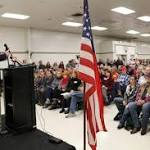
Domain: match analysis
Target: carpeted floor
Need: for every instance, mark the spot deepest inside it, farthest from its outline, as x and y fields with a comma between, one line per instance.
x=34, y=140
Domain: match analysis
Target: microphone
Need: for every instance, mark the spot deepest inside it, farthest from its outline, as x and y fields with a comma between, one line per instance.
x=6, y=47
x=13, y=59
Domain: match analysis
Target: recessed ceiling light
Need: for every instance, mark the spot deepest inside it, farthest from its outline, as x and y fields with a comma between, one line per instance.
x=123, y=10
x=132, y=32
x=15, y=16
x=145, y=34
x=99, y=28
x=144, y=18
x=72, y=24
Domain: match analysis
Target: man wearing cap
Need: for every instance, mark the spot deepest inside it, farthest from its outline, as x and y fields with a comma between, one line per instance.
x=121, y=83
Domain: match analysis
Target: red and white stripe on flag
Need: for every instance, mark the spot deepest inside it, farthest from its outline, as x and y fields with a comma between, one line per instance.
x=88, y=72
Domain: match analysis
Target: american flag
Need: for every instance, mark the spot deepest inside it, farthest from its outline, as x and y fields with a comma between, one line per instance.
x=88, y=72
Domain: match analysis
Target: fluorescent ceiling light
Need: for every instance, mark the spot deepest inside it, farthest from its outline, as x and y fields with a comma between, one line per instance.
x=145, y=34
x=132, y=32
x=72, y=24
x=99, y=28
x=144, y=18
x=15, y=16
x=123, y=10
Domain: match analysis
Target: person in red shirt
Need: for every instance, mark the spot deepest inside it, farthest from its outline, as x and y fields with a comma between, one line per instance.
x=114, y=73
x=64, y=81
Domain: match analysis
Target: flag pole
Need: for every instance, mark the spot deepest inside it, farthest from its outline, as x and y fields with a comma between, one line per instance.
x=84, y=121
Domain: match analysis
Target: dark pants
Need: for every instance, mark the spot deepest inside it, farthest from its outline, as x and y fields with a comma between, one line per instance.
x=107, y=95
x=115, y=88
x=130, y=115
x=126, y=117
x=146, y=114
x=48, y=93
x=65, y=103
x=119, y=104
x=134, y=112
x=41, y=95
x=56, y=93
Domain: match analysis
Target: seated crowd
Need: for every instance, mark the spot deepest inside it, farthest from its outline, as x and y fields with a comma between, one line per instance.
x=59, y=87
x=127, y=86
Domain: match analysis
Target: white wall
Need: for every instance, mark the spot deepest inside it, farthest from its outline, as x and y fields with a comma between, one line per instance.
x=16, y=39
x=105, y=49
x=143, y=50
x=104, y=56
x=128, y=49
x=56, y=46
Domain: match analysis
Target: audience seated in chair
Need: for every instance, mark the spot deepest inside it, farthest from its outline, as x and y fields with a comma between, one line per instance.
x=54, y=88
x=107, y=83
x=76, y=96
x=129, y=96
x=73, y=85
x=62, y=86
x=134, y=108
x=121, y=83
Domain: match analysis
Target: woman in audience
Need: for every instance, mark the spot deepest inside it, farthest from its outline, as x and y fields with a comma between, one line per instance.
x=61, y=65
x=114, y=73
x=36, y=82
x=145, y=106
x=41, y=65
x=41, y=86
x=107, y=83
x=48, y=89
x=51, y=83
x=72, y=87
x=55, y=66
x=55, y=90
x=134, y=108
x=71, y=64
x=65, y=80
x=48, y=65
x=129, y=96
x=56, y=97
x=139, y=71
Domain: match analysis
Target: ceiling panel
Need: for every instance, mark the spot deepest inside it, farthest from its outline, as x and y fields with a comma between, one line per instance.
x=49, y=14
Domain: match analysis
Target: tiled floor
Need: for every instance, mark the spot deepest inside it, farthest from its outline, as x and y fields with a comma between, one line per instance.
x=71, y=131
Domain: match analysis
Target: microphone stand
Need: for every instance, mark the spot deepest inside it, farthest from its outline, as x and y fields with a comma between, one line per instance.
x=7, y=50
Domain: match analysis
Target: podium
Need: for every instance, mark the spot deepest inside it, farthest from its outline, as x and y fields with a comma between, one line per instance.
x=19, y=98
